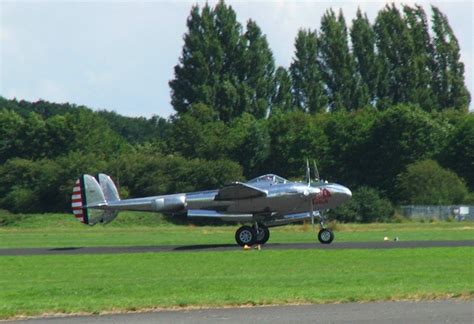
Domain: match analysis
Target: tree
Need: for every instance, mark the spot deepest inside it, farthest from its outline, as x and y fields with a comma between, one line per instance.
x=308, y=89
x=449, y=80
x=402, y=135
x=221, y=67
x=348, y=135
x=11, y=143
x=426, y=183
x=337, y=64
x=395, y=50
x=259, y=69
x=201, y=62
x=281, y=100
x=422, y=58
x=365, y=206
x=458, y=154
x=295, y=136
x=363, y=49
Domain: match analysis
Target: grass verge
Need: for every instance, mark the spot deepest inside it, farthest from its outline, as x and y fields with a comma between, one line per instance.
x=93, y=283
x=62, y=230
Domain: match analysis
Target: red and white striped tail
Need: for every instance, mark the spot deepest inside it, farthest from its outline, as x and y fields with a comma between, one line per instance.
x=77, y=202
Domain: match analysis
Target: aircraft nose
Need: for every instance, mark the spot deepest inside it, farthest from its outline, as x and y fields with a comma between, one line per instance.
x=347, y=192
x=343, y=193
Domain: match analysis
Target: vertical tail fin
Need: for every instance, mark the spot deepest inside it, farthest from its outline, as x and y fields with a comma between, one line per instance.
x=87, y=196
x=110, y=193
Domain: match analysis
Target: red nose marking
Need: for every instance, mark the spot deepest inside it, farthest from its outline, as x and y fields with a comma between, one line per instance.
x=322, y=197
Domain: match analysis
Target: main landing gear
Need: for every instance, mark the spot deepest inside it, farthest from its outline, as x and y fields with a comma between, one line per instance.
x=250, y=235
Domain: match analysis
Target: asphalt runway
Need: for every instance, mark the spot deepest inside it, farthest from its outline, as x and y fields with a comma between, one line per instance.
x=232, y=247
x=444, y=311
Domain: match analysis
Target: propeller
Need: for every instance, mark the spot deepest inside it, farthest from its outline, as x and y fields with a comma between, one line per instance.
x=308, y=179
x=316, y=172
x=308, y=173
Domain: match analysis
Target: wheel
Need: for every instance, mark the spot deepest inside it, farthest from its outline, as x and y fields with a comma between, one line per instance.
x=325, y=236
x=246, y=235
x=263, y=234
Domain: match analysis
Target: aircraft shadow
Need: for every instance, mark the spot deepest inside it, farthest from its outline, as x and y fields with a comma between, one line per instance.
x=65, y=249
x=204, y=246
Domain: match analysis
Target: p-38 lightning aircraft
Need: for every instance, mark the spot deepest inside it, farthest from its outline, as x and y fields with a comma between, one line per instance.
x=263, y=202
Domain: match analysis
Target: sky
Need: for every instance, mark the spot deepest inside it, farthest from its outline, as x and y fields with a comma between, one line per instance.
x=120, y=55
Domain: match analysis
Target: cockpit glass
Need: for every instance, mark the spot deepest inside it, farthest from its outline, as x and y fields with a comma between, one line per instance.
x=269, y=178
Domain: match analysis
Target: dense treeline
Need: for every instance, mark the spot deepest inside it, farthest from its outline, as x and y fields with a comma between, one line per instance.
x=382, y=108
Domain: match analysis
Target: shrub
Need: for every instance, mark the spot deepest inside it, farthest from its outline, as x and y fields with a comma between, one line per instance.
x=366, y=206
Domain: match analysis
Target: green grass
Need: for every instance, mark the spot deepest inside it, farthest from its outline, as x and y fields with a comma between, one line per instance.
x=34, y=285
x=93, y=283
x=62, y=230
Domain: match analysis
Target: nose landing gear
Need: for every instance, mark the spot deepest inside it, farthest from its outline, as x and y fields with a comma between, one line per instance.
x=325, y=235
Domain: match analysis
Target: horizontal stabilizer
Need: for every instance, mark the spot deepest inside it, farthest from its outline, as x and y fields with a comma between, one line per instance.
x=239, y=190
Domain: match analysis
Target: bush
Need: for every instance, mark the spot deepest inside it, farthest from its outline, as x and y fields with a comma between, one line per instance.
x=427, y=183
x=366, y=206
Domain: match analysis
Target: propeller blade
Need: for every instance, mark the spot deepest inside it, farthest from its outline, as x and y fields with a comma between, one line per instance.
x=312, y=214
x=316, y=172
x=308, y=173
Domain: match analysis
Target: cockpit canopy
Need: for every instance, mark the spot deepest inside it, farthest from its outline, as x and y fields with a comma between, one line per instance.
x=272, y=178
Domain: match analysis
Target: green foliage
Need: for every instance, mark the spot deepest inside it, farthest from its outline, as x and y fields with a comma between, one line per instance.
x=220, y=66
x=365, y=206
x=308, y=89
x=449, y=74
x=426, y=183
x=337, y=64
x=294, y=136
x=145, y=174
x=363, y=50
x=458, y=154
x=402, y=135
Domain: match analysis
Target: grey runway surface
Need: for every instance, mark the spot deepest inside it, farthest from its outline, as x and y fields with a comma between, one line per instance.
x=445, y=311
x=232, y=247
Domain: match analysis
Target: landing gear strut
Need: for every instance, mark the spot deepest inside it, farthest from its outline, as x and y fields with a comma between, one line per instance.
x=263, y=233
x=325, y=235
x=250, y=235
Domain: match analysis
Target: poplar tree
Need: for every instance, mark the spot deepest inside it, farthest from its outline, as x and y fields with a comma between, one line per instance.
x=395, y=51
x=308, y=89
x=449, y=79
x=223, y=68
x=201, y=58
x=422, y=58
x=363, y=49
x=259, y=69
x=281, y=100
x=337, y=64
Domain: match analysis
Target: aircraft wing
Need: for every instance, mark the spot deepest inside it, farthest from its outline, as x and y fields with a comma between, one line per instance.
x=239, y=190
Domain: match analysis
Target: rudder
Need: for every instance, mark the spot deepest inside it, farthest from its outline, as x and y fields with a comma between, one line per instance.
x=110, y=193
x=87, y=197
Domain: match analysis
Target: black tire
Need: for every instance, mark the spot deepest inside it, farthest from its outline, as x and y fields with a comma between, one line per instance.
x=246, y=235
x=263, y=234
x=325, y=236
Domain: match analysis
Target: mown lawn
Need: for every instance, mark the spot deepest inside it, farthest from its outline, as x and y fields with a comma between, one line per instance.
x=93, y=283
x=61, y=230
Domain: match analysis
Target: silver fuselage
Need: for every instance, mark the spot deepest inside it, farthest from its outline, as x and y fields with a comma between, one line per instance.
x=283, y=203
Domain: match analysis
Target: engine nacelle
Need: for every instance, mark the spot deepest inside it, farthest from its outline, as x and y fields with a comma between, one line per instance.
x=170, y=204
